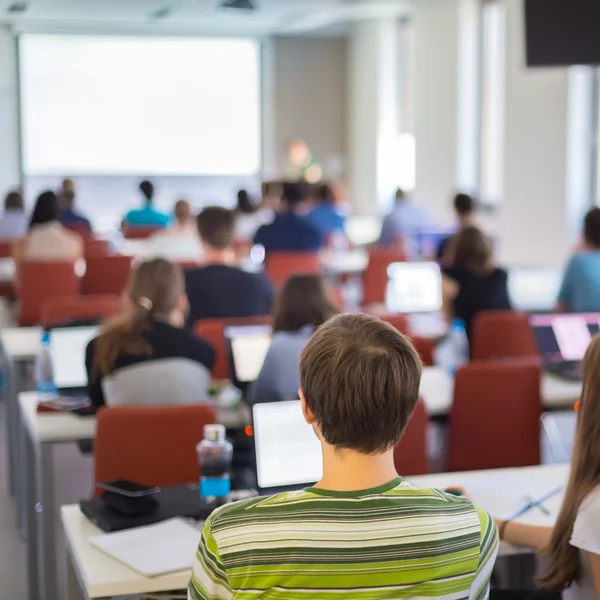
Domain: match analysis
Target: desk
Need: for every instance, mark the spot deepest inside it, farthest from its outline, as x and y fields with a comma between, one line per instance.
x=93, y=574
x=7, y=270
x=39, y=433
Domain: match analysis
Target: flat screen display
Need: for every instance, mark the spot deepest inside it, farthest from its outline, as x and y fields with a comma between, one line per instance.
x=67, y=348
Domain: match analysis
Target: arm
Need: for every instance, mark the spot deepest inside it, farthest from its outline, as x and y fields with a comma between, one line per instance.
x=530, y=536
x=209, y=577
x=488, y=549
x=450, y=289
x=94, y=378
x=565, y=296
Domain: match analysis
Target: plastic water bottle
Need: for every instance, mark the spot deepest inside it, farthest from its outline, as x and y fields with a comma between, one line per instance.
x=458, y=346
x=44, y=373
x=214, y=456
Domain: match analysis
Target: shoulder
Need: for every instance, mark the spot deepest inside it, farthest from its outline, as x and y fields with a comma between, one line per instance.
x=586, y=530
x=500, y=274
x=185, y=343
x=456, y=273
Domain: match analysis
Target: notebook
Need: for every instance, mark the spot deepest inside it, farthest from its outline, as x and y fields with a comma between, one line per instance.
x=153, y=550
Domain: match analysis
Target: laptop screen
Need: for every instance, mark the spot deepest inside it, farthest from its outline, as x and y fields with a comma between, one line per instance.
x=288, y=452
x=67, y=348
x=414, y=288
x=249, y=347
x=533, y=289
x=564, y=337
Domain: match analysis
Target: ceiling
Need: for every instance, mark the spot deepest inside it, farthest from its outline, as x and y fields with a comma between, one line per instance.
x=195, y=16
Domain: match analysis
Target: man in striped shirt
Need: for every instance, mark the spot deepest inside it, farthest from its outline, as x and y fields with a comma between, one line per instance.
x=362, y=532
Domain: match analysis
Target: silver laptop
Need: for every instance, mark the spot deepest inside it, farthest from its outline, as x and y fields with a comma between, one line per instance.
x=414, y=288
x=534, y=289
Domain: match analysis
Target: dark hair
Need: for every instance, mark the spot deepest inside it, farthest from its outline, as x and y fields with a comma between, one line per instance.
x=154, y=289
x=325, y=193
x=464, y=205
x=45, y=210
x=360, y=378
x=14, y=201
x=216, y=226
x=303, y=300
x=294, y=193
x=147, y=189
x=472, y=250
x=400, y=195
x=591, y=227
x=245, y=204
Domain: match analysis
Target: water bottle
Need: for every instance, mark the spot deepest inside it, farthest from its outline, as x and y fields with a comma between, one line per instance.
x=214, y=456
x=458, y=346
x=44, y=374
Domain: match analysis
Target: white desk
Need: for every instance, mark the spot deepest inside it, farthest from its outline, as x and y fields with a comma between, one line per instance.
x=93, y=574
x=39, y=432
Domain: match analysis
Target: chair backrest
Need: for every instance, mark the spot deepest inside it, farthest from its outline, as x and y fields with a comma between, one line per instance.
x=212, y=330
x=280, y=266
x=375, y=277
x=410, y=453
x=152, y=446
x=106, y=275
x=502, y=334
x=40, y=281
x=6, y=249
x=131, y=232
x=77, y=308
x=93, y=247
x=495, y=416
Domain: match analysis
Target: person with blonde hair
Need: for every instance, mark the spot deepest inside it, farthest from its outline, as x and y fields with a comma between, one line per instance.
x=145, y=356
x=572, y=546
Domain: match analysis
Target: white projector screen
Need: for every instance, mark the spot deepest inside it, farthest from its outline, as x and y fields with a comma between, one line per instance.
x=104, y=105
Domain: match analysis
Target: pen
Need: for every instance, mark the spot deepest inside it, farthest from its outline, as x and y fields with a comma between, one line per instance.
x=537, y=502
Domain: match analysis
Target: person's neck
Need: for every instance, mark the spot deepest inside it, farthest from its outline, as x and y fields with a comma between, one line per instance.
x=214, y=256
x=465, y=221
x=347, y=470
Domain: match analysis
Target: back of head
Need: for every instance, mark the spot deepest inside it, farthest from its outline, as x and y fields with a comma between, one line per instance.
x=326, y=194
x=154, y=290
x=14, y=201
x=294, y=193
x=68, y=185
x=360, y=378
x=400, y=195
x=472, y=250
x=182, y=211
x=591, y=228
x=244, y=203
x=67, y=199
x=45, y=210
x=216, y=226
x=464, y=205
x=147, y=189
x=303, y=301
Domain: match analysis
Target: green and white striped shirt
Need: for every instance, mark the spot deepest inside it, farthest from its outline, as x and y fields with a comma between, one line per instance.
x=394, y=541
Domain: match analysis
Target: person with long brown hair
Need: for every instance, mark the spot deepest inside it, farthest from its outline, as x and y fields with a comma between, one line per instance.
x=144, y=356
x=572, y=546
x=302, y=305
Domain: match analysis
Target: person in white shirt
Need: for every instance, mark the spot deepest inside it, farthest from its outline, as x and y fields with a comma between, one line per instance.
x=572, y=546
x=249, y=217
x=13, y=223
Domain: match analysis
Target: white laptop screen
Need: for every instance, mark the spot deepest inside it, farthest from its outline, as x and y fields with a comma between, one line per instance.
x=249, y=347
x=414, y=288
x=533, y=289
x=67, y=348
x=288, y=452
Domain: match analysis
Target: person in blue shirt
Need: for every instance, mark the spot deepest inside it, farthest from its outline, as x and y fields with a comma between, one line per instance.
x=290, y=231
x=325, y=216
x=580, y=290
x=403, y=221
x=68, y=215
x=147, y=216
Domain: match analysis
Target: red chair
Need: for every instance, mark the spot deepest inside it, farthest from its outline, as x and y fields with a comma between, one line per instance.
x=410, y=453
x=40, y=281
x=132, y=232
x=495, y=417
x=152, y=446
x=106, y=275
x=77, y=308
x=93, y=247
x=280, y=266
x=212, y=330
x=502, y=334
x=375, y=277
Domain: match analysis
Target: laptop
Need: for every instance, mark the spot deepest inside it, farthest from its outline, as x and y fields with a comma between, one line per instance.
x=287, y=451
x=534, y=289
x=247, y=347
x=67, y=350
x=414, y=288
x=563, y=340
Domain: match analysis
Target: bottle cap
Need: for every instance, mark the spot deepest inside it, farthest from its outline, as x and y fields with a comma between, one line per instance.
x=46, y=337
x=214, y=433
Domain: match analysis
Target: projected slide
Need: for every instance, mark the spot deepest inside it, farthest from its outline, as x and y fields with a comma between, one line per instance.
x=106, y=105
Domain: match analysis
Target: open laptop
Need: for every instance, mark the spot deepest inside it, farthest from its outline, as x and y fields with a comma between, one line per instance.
x=247, y=347
x=414, y=288
x=563, y=339
x=533, y=289
x=287, y=451
x=67, y=349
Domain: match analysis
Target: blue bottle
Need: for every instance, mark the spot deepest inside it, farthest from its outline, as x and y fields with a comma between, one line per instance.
x=458, y=346
x=214, y=456
x=44, y=372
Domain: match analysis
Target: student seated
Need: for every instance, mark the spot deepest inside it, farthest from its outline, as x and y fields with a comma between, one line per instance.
x=290, y=231
x=219, y=289
x=249, y=216
x=405, y=219
x=147, y=216
x=473, y=284
x=572, y=547
x=580, y=290
x=68, y=214
x=465, y=208
x=301, y=306
x=325, y=216
x=145, y=357
x=13, y=223
x=362, y=531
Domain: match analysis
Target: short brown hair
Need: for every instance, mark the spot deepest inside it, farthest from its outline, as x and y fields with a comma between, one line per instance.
x=14, y=201
x=216, y=227
x=182, y=211
x=472, y=250
x=360, y=378
x=591, y=227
